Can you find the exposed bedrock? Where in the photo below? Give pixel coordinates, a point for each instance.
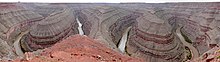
(49, 31)
(114, 22)
(198, 25)
(45, 9)
(83, 19)
(97, 23)
(149, 30)
(78, 48)
(6, 50)
(211, 55)
(118, 28)
(14, 19)
(151, 38)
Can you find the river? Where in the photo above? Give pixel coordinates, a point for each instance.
(193, 50)
(79, 27)
(123, 40)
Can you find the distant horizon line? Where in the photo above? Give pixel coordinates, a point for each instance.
(108, 2)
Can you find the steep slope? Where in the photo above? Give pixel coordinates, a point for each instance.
(49, 31)
(152, 39)
(14, 19)
(79, 48)
(199, 22)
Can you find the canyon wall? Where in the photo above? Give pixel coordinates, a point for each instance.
(154, 35)
(14, 20)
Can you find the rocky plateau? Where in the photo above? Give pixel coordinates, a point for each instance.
(110, 32)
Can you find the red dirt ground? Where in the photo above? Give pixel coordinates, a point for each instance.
(78, 48)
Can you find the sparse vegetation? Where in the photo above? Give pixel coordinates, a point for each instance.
(218, 57)
(189, 56)
(186, 38)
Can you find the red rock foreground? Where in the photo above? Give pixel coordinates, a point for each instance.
(78, 49)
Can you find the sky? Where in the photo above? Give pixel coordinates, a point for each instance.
(107, 1)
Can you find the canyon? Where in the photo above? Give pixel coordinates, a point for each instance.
(109, 32)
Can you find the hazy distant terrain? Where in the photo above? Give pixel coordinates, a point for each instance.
(149, 32)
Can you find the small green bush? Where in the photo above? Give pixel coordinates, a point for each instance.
(186, 38)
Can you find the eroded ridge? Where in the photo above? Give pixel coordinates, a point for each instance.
(121, 25)
(151, 38)
(49, 31)
(198, 25)
(83, 19)
(98, 22)
(45, 9)
(155, 33)
(13, 20)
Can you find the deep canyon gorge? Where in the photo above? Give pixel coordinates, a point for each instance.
(110, 32)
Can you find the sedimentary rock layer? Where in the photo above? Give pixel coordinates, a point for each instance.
(211, 55)
(152, 27)
(79, 49)
(50, 30)
(152, 39)
(13, 20)
(97, 22)
(84, 20)
(197, 24)
(46, 9)
(121, 25)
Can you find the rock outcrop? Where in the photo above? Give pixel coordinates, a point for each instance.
(105, 23)
(198, 25)
(212, 55)
(45, 9)
(152, 39)
(79, 48)
(13, 20)
(171, 32)
(49, 31)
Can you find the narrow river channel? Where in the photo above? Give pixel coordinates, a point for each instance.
(17, 44)
(193, 50)
(79, 27)
(122, 43)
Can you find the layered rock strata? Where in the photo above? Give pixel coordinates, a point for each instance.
(46, 9)
(13, 20)
(85, 20)
(211, 55)
(112, 23)
(78, 48)
(198, 25)
(152, 27)
(97, 23)
(121, 25)
(152, 39)
(49, 31)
